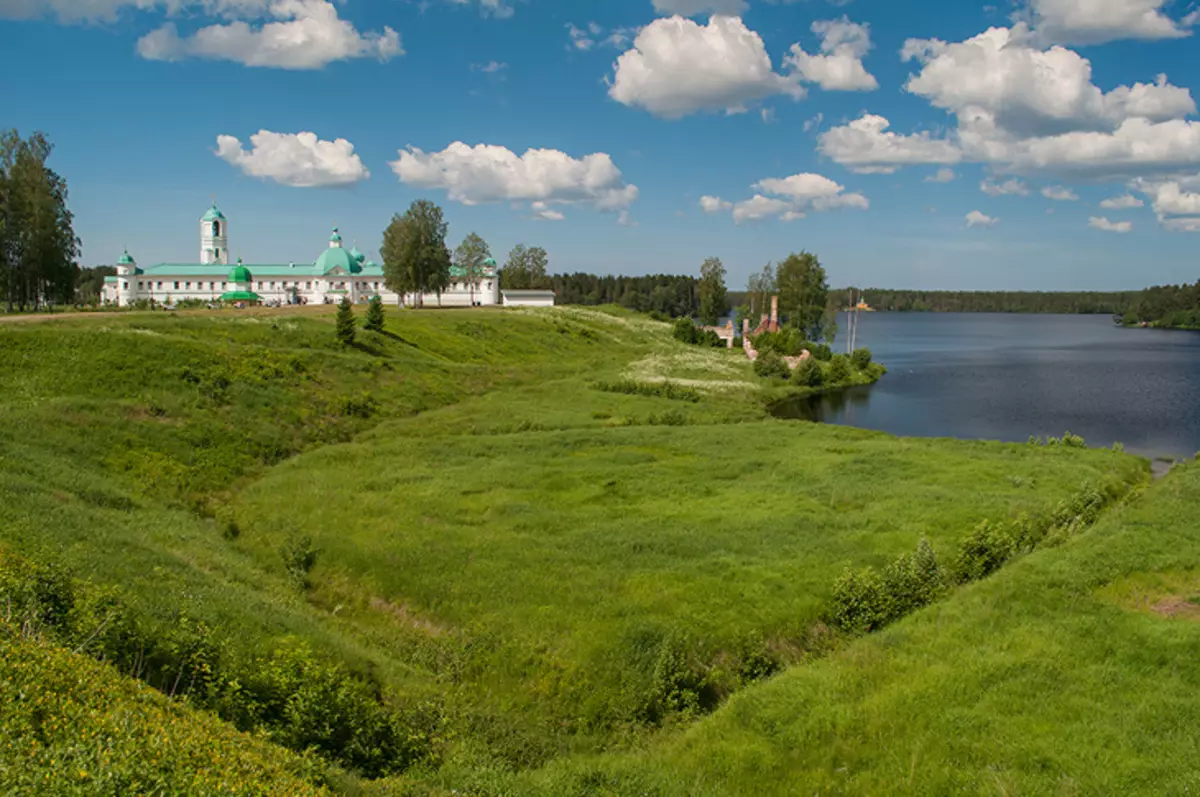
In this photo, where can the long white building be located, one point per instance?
(335, 274)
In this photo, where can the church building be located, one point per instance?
(335, 274)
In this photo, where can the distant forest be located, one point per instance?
(1167, 306)
(662, 293)
(901, 301)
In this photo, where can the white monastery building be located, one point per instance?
(337, 273)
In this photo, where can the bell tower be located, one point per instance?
(214, 237)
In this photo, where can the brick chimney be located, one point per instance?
(774, 312)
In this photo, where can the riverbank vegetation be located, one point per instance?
(1166, 307)
(495, 552)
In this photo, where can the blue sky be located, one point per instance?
(910, 144)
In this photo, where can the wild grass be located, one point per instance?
(453, 513)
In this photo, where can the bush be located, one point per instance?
(363, 406)
(374, 320)
(685, 330)
(861, 358)
(809, 373)
(667, 390)
(839, 368)
(345, 322)
(859, 603)
(659, 315)
(707, 337)
(913, 581)
(984, 550)
(769, 364)
(820, 351)
(786, 342)
(299, 557)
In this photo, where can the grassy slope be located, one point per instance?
(1055, 676)
(478, 552)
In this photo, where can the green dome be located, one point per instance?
(358, 256)
(239, 273)
(213, 214)
(125, 260)
(336, 237)
(335, 257)
(490, 262)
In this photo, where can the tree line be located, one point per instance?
(38, 245)
(1066, 302)
(1168, 306)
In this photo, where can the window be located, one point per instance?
(222, 286)
(176, 285)
(218, 254)
(187, 284)
(124, 286)
(308, 285)
(376, 286)
(159, 285)
(272, 284)
(217, 231)
(139, 286)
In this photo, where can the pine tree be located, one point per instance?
(374, 320)
(345, 322)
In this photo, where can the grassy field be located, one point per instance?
(533, 537)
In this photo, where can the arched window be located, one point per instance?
(216, 229)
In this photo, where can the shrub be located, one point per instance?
(374, 320)
(983, 551)
(769, 364)
(685, 330)
(913, 581)
(668, 418)
(667, 390)
(809, 373)
(345, 322)
(820, 351)
(787, 342)
(706, 337)
(659, 315)
(859, 603)
(839, 368)
(363, 406)
(299, 557)
(861, 358)
(738, 343)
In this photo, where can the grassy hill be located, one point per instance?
(472, 546)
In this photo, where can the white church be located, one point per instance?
(337, 273)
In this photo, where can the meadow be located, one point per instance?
(516, 550)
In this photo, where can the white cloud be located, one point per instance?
(864, 145)
(977, 219)
(678, 67)
(1169, 198)
(839, 67)
(72, 11)
(1012, 187)
(1123, 202)
(309, 35)
(300, 160)
(490, 8)
(714, 204)
(788, 198)
(1060, 193)
(542, 212)
(1097, 21)
(488, 173)
(814, 122)
(489, 68)
(582, 39)
(997, 79)
(691, 8)
(1184, 224)
(624, 219)
(942, 175)
(1136, 147)
(1101, 223)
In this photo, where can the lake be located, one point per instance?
(1006, 377)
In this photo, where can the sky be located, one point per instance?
(1036, 145)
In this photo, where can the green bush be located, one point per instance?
(299, 557)
(787, 342)
(707, 337)
(861, 358)
(685, 330)
(983, 551)
(820, 351)
(859, 603)
(770, 363)
(913, 581)
(667, 390)
(809, 373)
(839, 368)
(374, 319)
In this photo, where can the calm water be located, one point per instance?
(1006, 377)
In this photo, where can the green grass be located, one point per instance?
(1054, 676)
(558, 568)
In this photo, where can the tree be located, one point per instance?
(374, 321)
(38, 246)
(415, 257)
(345, 322)
(470, 257)
(526, 269)
(804, 296)
(714, 300)
(760, 286)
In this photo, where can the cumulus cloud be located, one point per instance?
(1059, 193)
(1177, 207)
(1188, 224)
(942, 175)
(1012, 187)
(489, 173)
(866, 146)
(979, 219)
(300, 160)
(691, 8)
(543, 212)
(1123, 202)
(308, 35)
(1138, 146)
(678, 67)
(714, 204)
(1101, 223)
(788, 199)
(1098, 21)
(839, 65)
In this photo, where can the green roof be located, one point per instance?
(125, 259)
(337, 236)
(239, 273)
(260, 270)
(212, 214)
(357, 255)
(337, 257)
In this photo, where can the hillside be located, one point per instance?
(475, 544)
